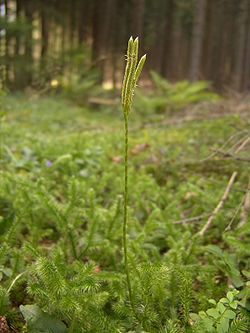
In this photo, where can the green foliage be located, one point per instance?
(7, 215)
(61, 184)
(39, 321)
(131, 76)
(224, 317)
(78, 81)
(227, 264)
(172, 97)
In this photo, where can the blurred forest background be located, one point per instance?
(46, 40)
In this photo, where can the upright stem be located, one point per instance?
(125, 246)
(131, 76)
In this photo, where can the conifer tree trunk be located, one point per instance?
(197, 37)
(44, 33)
(82, 22)
(7, 42)
(18, 12)
(224, 46)
(209, 42)
(17, 63)
(102, 17)
(2, 54)
(137, 24)
(97, 11)
(232, 41)
(116, 13)
(247, 62)
(156, 51)
(72, 23)
(167, 42)
(241, 45)
(28, 8)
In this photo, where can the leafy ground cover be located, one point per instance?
(61, 265)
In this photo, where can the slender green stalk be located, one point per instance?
(131, 76)
(125, 246)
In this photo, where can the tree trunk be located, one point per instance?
(155, 53)
(72, 23)
(137, 23)
(82, 22)
(2, 54)
(224, 45)
(241, 44)
(18, 57)
(18, 12)
(247, 62)
(116, 13)
(28, 42)
(197, 37)
(44, 33)
(7, 43)
(102, 19)
(207, 47)
(167, 41)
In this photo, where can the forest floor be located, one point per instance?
(188, 176)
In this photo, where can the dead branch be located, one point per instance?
(245, 208)
(224, 145)
(233, 156)
(239, 142)
(235, 188)
(192, 219)
(102, 101)
(236, 213)
(220, 204)
(242, 145)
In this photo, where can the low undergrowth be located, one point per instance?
(61, 211)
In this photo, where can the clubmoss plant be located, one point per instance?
(131, 76)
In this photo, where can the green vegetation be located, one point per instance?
(172, 97)
(131, 76)
(61, 216)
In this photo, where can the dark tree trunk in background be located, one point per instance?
(247, 62)
(101, 31)
(44, 33)
(18, 57)
(167, 41)
(7, 43)
(241, 43)
(28, 9)
(114, 46)
(197, 37)
(106, 35)
(208, 41)
(137, 20)
(72, 23)
(83, 21)
(218, 23)
(224, 46)
(232, 41)
(155, 52)
(2, 55)
(97, 26)
(63, 9)
(18, 12)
